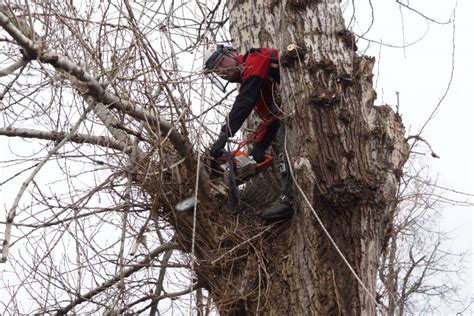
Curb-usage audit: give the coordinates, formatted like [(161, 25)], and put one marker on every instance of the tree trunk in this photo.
[(346, 155)]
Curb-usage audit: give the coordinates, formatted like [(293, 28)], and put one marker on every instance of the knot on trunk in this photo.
[(347, 194), (323, 98), (348, 39)]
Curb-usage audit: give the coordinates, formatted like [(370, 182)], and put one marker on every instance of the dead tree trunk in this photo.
[(346, 155)]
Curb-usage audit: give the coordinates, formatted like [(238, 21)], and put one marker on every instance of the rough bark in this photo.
[(347, 156)]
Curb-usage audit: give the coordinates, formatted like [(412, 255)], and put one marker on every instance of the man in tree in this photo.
[(258, 73)]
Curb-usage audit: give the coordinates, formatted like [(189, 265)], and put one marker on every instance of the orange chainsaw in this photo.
[(232, 170)]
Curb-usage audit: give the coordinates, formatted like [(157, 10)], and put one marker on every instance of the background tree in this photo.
[(120, 120), (418, 267)]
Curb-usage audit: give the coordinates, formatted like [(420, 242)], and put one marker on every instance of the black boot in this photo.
[(282, 209)]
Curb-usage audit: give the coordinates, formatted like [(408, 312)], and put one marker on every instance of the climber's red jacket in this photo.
[(259, 80)]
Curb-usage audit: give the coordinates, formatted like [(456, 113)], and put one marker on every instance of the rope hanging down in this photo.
[(290, 167)]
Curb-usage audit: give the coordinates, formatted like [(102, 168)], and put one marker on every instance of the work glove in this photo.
[(216, 148)]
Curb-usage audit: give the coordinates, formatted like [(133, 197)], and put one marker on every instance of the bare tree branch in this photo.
[(58, 136), (10, 69), (31, 48), (13, 210), (126, 273), (421, 14), (97, 91)]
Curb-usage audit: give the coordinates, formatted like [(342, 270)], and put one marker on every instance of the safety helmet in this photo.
[(214, 54)]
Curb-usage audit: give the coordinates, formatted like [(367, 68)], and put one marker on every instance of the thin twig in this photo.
[(13, 209), (242, 243), (126, 273)]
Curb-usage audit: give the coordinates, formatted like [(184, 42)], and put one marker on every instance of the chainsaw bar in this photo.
[(186, 205)]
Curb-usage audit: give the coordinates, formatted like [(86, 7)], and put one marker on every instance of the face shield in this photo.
[(211, 59), (220, 83)]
